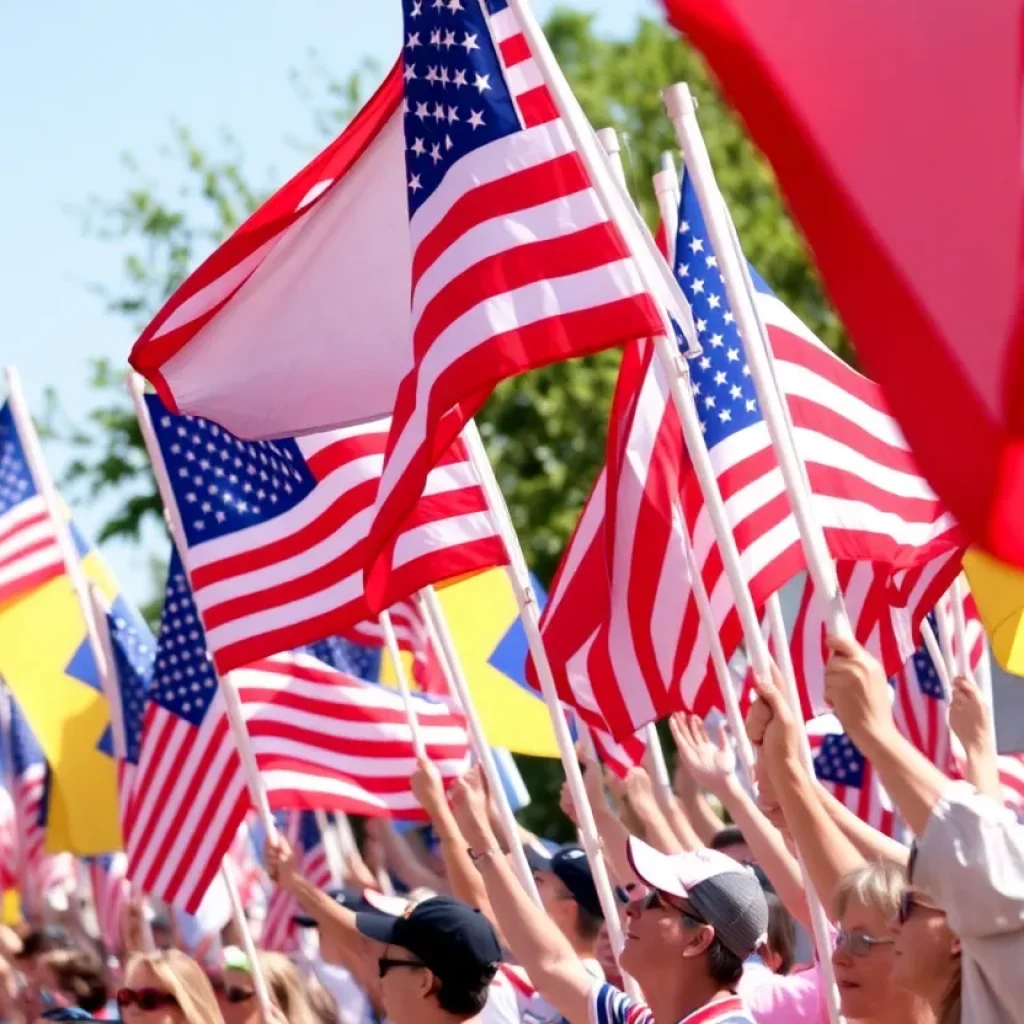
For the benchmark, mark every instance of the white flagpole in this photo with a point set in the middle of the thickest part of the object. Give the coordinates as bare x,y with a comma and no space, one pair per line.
391,643
259,982
232,704
529,610
448,655
958,594
938,659
335,861
54,508
682,112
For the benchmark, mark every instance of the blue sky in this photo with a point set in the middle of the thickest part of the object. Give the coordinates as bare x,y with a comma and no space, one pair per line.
85,85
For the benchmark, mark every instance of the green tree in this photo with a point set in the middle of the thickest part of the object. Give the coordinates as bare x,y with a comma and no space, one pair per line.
545,431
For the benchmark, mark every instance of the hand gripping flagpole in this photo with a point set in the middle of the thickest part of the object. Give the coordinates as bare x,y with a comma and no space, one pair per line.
682,112
391,643
232,705
443,643
259,981
958,594
48,492
529,610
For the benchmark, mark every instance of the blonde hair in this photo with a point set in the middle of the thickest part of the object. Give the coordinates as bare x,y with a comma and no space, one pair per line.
286,988
878,885
184,979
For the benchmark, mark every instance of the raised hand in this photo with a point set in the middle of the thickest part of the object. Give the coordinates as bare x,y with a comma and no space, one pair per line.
428,788
711,765
771,725
468,797
970,717
857,690
280,862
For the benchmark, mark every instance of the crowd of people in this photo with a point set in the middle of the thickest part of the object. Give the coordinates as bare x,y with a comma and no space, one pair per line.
713,883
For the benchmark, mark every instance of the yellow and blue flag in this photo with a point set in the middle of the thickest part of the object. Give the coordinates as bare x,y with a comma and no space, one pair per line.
484,620
998,591
46,660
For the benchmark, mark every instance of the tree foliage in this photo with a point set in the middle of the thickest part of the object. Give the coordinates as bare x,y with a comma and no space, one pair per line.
545,431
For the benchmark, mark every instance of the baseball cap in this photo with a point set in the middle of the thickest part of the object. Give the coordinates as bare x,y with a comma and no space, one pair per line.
67,1013
570,866
351,897
723,892
452,938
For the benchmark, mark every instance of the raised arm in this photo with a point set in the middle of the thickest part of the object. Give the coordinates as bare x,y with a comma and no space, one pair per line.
700,814
870,843
400,858
538,944
714,768
970,718
857,690
826,852
639,791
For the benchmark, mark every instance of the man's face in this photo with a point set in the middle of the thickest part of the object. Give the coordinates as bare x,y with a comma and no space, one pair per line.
663,935
739,852
405,982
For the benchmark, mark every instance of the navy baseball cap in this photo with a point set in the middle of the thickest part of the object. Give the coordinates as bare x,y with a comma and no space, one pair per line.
570,866
452,938
351,897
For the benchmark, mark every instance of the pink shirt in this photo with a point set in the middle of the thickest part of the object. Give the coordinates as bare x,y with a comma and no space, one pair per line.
782,998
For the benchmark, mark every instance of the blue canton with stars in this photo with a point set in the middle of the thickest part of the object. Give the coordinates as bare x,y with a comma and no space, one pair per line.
16,483
839,761
345,656
184,682
25,750
456,98
720,378
924,669
223,484
134,655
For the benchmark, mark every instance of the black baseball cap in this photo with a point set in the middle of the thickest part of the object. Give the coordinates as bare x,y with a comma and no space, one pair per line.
570,866
452,938
351,897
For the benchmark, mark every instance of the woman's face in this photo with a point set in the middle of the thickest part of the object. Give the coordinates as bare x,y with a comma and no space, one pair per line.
237,999
153,995
926,952
863,961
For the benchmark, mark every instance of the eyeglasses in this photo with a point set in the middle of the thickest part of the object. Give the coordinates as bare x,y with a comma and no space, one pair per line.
237,995
859,944
146,999
384,965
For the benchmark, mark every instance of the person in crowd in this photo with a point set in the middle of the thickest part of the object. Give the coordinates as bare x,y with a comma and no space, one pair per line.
969,852
779,954
236,993
687,935
730,841
167,987
76,975
37,942
323,1005
435,964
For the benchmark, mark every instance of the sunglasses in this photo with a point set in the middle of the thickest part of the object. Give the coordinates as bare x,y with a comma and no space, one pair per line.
654,900
907,904
146,999
384,965
858,944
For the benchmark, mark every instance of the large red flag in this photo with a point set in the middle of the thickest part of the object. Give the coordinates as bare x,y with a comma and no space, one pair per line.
895,132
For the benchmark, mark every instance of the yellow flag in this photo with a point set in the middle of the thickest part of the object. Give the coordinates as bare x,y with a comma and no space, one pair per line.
46,661
998,591
484,620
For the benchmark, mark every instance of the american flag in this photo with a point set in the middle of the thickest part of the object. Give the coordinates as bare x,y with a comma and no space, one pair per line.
29,552
10,853
108,876
413,637
353,659
41,871
920,709
848,774
276,530
243,859
515,263
321,739
305,838
1011,777
133,653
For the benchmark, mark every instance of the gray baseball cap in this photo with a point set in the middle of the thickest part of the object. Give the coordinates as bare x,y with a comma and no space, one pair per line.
721,891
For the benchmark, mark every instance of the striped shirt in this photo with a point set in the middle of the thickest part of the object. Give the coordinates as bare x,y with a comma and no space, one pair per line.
609,1005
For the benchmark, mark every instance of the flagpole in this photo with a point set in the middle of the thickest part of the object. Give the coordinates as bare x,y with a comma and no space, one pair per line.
259,982
958,594
391,643
935,653
232,704
682,112
48,492
451,664
529,610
